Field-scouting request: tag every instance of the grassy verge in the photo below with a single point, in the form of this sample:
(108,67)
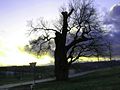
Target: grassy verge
(25,73)
(41,73)
(106,79)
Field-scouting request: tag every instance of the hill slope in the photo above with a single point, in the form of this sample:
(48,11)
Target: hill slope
(106,79)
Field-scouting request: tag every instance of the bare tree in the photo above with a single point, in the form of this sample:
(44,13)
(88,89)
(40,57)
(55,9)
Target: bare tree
(110,50)
(73,36)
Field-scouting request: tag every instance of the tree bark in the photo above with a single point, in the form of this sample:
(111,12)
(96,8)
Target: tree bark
(61,68)
(61,64)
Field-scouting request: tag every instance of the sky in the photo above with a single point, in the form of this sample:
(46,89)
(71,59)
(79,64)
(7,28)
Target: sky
(14,15)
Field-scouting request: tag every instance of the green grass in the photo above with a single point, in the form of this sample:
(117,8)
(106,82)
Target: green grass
(13,79)
(106,79)
(44,72)
(100,80)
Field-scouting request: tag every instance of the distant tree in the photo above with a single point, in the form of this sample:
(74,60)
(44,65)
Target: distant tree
(100,48)
(74,35)
(110,50)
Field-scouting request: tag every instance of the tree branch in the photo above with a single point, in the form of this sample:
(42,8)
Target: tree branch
(70,12)
(74,42)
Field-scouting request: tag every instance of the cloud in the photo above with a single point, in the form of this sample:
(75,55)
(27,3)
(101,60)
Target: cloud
(113,17)
(115,11)
(112,20)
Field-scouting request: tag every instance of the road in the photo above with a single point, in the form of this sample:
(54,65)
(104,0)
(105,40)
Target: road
(5,87)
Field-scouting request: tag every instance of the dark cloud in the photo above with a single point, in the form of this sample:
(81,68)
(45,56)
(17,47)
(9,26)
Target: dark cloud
(112,20)
(113,17)
(115,11)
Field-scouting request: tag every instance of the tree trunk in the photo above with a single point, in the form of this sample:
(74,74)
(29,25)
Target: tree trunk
(61,69)
(61,64)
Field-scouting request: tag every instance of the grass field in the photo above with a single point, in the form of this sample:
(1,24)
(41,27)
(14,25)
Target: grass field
(24,73)
(44,72)
(106,79)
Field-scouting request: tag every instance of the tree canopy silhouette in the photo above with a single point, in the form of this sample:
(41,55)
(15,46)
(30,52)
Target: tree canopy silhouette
(77,33)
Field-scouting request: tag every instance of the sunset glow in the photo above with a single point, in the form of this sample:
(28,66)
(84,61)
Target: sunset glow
(12,54)
(16,58)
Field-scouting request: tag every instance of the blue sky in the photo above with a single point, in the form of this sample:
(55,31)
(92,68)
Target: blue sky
(14,15)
